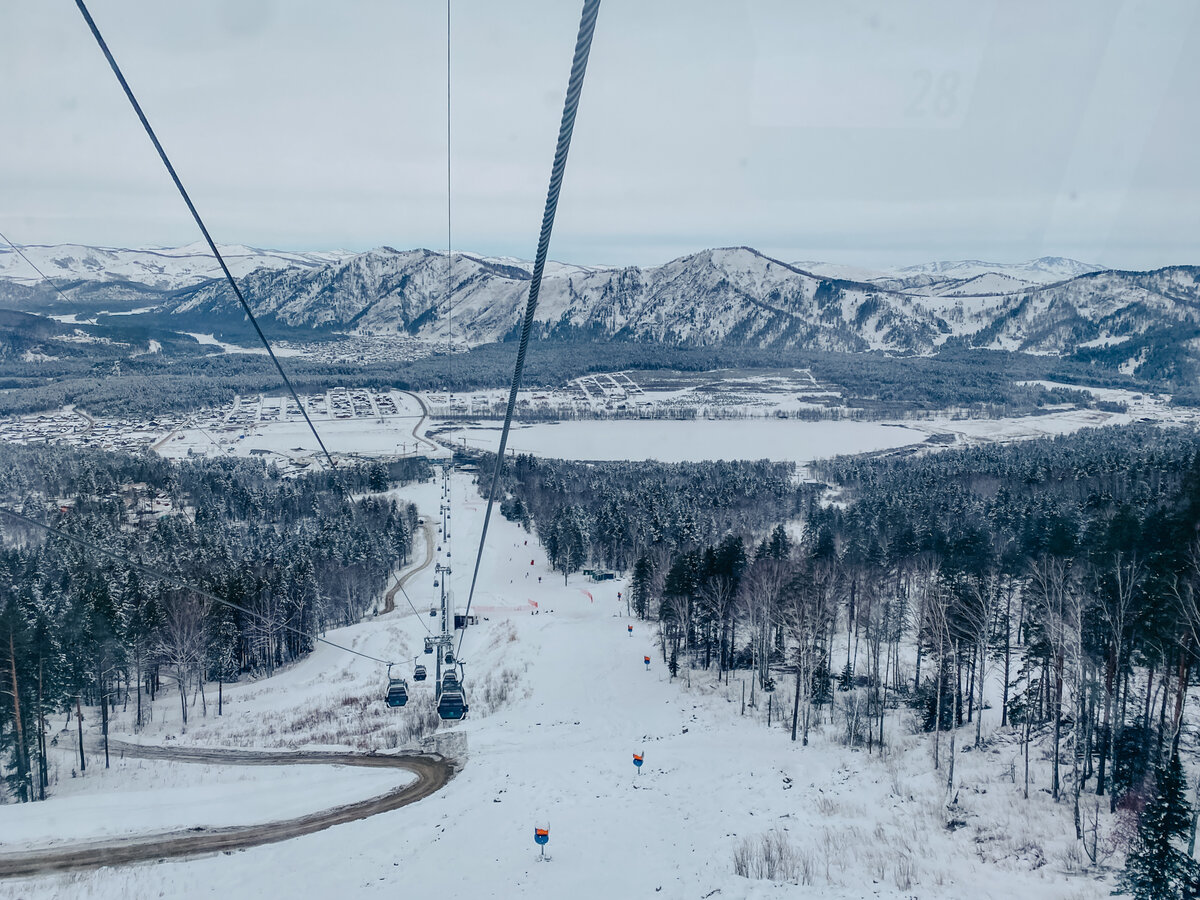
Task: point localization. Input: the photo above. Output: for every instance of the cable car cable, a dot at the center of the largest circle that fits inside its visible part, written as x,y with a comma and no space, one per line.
420,618
212,245
583,46
449,230
178,583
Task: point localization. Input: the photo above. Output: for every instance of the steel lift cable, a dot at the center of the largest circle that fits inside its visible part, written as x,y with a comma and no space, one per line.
212,245
445,631
583,46
449,231
420,617
449,253
177,583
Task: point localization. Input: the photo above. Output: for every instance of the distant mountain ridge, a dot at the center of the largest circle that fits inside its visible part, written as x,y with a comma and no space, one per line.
164,268
948,276
733,296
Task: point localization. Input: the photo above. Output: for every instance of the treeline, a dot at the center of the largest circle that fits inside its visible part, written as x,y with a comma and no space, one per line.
1071,568
293,556
609,514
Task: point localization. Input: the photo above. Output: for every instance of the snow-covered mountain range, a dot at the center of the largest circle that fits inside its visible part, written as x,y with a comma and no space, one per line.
715,296
731,296
165,268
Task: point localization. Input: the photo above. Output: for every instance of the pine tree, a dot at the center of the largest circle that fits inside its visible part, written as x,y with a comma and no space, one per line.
1157,868
16,720
846,678
780,545
639,586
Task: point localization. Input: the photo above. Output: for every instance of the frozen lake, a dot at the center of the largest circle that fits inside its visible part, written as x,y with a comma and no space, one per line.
774,439
692,441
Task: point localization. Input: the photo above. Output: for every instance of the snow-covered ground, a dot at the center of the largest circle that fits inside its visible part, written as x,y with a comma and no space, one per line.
140,796
209,340
1140,403
281,441
1022,428
560,702
360,422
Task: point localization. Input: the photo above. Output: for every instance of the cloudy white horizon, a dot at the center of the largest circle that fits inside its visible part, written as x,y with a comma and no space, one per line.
872,133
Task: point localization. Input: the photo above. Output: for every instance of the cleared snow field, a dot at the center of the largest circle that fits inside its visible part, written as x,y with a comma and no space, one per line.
291,439
294,439
560,701
1023,428
211,341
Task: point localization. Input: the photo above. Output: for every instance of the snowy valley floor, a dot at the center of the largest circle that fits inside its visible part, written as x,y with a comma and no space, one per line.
560,702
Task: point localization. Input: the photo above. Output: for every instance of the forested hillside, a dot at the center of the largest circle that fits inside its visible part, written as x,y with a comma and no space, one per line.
1056,579
295,556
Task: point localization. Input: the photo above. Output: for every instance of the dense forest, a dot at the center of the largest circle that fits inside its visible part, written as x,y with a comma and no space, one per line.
612,514
1056,580
293,556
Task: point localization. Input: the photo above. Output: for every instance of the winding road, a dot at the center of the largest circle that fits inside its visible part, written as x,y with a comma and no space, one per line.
432,770
389,599
421,421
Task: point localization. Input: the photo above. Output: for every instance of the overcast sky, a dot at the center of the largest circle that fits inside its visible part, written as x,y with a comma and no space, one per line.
877,132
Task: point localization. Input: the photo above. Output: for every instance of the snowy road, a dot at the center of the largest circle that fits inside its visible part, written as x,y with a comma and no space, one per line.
389,600
432,773
416,430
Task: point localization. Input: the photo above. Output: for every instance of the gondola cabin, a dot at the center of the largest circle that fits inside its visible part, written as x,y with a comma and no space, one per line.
452,705
397,692
419,673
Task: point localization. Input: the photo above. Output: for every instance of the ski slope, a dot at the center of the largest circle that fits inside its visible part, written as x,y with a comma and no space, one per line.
560,700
